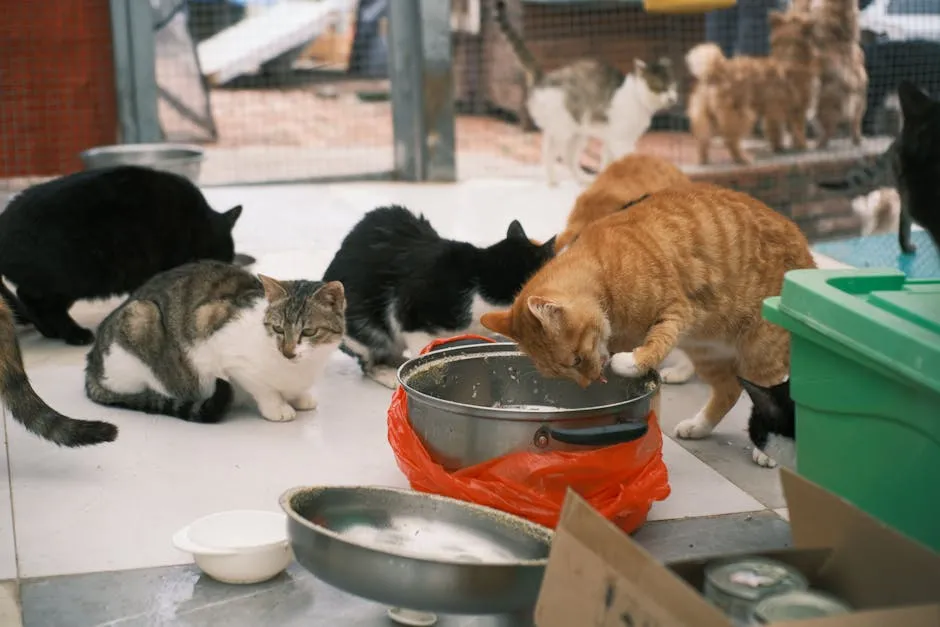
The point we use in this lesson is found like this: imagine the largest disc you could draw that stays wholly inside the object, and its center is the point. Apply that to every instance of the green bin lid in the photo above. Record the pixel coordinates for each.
(876, 313)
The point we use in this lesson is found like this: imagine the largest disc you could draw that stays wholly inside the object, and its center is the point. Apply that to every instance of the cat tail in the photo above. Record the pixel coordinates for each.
(704, 60)
(866, 178)
(19, 312)
(208, 410)
(31, 411)
(532, 68)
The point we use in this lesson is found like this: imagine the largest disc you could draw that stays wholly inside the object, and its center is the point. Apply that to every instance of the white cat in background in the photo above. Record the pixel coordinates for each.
(589, 98)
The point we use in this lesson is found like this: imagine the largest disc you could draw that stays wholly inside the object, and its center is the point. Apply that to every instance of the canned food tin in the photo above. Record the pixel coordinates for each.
(797, 605)
(735, 586)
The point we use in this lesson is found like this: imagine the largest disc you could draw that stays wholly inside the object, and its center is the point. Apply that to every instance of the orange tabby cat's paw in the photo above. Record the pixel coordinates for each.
(625, 365)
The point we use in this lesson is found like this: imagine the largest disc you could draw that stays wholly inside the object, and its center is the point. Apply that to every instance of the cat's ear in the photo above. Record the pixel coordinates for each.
(914, 102)
(498, 322)
(273, 289)
(333, 295)
(550, 244)
(639, 64)
(231, 216)
(545, 311)
(766, 400)
(515, 231)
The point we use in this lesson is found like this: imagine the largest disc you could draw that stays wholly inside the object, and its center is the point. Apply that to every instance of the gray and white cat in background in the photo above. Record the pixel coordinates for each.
(589, 98)
(180, 342)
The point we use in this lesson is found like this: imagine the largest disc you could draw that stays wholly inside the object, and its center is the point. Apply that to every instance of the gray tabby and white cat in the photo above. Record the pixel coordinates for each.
(180, 341)
(589, 98)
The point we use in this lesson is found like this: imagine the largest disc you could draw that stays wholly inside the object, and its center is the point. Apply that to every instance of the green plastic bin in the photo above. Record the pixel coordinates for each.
(865, 378)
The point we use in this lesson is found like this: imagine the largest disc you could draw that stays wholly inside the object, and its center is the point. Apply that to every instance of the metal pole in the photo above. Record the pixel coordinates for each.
(135, 71)
(421, 73)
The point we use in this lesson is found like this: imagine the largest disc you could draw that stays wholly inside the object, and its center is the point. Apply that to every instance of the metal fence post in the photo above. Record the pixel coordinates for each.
(135, 71)
(421, 72)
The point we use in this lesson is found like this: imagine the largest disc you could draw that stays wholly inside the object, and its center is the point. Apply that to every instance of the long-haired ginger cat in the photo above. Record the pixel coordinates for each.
(732, 94)
(689, 267)
(616, 188)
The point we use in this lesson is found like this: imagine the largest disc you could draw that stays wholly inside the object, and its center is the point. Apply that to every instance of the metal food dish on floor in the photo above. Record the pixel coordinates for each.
(418, 551)
(183, 159)
(472, 403)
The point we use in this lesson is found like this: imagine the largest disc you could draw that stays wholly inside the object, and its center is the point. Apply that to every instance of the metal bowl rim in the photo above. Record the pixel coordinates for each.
(511, 413)
(288, 495)
(117, 149)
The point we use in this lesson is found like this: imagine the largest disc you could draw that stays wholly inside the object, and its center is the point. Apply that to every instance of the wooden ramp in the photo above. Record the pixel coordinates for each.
(245, 47)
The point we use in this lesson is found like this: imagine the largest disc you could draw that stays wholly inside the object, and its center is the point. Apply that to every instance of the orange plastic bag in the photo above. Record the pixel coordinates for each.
(620, 481)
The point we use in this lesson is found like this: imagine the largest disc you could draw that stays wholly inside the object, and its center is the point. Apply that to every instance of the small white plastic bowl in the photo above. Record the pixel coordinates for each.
(239, 546)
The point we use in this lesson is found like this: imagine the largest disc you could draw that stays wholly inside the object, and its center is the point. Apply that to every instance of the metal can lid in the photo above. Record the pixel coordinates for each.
(797, 605)
(754, 578)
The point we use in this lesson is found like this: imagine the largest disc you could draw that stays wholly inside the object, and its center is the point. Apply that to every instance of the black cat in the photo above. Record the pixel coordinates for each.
(406, 285)
(102, 233)
(772, 425)
(911, 164)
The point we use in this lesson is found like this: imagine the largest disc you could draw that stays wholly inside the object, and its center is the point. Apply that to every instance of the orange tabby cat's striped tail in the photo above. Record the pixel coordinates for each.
(704, 60)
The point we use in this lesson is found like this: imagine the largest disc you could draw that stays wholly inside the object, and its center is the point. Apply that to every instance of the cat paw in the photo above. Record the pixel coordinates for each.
(694, 428)
(277, 412)
(79, 337)
(304, 402)
(763, 459)
(679, 373)
(625, 365)
(385, 376)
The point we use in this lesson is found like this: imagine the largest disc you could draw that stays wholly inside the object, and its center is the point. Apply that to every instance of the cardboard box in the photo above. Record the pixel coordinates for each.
(599, 577)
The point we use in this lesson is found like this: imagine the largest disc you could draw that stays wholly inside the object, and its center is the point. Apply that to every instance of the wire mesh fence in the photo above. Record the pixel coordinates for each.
(856, 54)
(282, 90)
(271, 90)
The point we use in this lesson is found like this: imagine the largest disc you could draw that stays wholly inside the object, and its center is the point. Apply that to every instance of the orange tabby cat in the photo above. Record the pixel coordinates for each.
(688, 266)
(624, 180)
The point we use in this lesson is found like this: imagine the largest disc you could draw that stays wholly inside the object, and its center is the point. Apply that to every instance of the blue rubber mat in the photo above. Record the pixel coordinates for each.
(882, 251)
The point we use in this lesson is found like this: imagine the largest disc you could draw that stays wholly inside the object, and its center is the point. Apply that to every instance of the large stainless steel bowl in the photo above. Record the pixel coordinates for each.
(469, 404)
(419, 551)
(183, 159)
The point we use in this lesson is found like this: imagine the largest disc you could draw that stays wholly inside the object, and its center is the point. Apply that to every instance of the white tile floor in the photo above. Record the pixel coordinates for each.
(115, 506)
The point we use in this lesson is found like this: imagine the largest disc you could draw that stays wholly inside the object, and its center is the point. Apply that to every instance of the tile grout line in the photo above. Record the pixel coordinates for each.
(16, 551)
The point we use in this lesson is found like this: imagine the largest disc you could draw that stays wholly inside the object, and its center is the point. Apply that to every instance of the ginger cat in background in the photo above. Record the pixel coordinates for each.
(688, 267)
(619, 185)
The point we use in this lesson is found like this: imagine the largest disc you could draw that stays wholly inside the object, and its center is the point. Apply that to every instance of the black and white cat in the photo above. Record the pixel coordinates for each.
(772, 425)
(406, 285)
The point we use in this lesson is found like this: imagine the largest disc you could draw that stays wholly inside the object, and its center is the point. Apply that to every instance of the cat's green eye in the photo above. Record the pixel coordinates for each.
(309, 332)
(277, 329)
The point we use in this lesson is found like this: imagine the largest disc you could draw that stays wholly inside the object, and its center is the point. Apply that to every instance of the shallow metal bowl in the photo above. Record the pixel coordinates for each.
(472, 403)
(419, 551)
(182, 159)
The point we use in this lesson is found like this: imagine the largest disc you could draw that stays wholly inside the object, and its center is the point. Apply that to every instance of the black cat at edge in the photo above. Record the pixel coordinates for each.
(911, 164)
(102, 233)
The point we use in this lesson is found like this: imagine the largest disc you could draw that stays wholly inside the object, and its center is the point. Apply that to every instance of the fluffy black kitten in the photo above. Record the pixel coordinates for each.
(911, 164)
(102, 233)
(772, 425)
(891, 62)
(406, 285)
